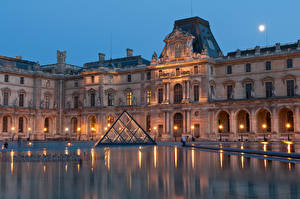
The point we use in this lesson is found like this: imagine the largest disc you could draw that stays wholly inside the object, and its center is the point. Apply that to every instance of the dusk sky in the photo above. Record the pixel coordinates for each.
(35, 29)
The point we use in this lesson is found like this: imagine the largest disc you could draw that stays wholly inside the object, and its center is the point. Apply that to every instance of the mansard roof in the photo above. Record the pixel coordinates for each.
(125, 63)
(204, 38)
(16, 62)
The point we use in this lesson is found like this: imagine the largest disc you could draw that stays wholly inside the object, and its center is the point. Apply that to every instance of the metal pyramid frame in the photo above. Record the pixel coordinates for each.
(125, 131)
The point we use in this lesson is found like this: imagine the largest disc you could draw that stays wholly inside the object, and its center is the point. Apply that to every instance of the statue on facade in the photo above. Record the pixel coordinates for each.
(154, 56)
(99, 101)
(232, 94)
(252, 93)
(273, 91)
(296, 90)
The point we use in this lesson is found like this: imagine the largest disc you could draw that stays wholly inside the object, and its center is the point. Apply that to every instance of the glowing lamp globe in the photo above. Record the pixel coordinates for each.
(261, 28)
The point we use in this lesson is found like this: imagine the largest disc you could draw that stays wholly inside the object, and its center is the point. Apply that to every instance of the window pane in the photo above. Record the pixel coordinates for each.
(290, 87)
(196, 93)
(269, 88)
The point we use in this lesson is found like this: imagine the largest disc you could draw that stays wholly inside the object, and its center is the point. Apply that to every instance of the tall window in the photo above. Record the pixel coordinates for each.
(92, 79)
(74, 123)
(47, 102)
(290, 87)
(195, 70)
(268, 65)
(21, 99)
(248, 90)
(269, 89)
(6, 78)
(129, 78)
(178, 51)
(129, 98)
(76, 84)
(177, 94)
(289, 63)
(148, 75)
(21, 80)
(148, 123)
(229, 92)
(248, 68)
(46, 125)
(148, 97)
(92, 99)
(196, 93)
(160, 95)
(47, 83)
(110, 99)
(5, 124)
(177, 71)
(76, 101)
(21, 125)
(5, 98)
(229, 70)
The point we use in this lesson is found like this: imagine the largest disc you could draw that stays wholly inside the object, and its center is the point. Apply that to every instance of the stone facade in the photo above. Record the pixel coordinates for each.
(190, 89)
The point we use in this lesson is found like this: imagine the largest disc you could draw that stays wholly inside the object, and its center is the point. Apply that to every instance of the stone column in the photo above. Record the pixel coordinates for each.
(184, 90)
(253, 122)
(274, 121)
(296, 120)
(233, 123)
(189, 122)
(188, 90)
(168, 92)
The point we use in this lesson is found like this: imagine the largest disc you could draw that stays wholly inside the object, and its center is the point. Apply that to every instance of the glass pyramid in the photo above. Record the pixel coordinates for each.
(124, 131)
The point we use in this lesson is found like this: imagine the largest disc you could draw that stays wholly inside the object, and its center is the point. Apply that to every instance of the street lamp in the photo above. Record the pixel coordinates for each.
(241, 129)
(175, 133)
(220, 131)
(288, 126)
(264, 127)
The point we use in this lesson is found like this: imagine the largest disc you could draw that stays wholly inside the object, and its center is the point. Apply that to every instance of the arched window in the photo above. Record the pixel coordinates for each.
(148, 123)
(177, 94)
(129, 98)
(148, 97)
(46, 125)
(5, 124)
(21, 125)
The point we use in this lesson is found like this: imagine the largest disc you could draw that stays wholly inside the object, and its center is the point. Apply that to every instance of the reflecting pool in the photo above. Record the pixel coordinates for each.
(142, 172)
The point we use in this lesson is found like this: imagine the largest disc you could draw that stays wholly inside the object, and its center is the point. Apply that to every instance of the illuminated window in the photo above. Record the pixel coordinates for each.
(148, 97)
(47, 83)
(46, 125)
(110, 119)
(129, 98)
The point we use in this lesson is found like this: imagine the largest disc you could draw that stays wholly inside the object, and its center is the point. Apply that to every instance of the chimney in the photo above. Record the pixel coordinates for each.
(61, 57)
(257, 50)
(129, 52)
(18, 57)
(101, 57)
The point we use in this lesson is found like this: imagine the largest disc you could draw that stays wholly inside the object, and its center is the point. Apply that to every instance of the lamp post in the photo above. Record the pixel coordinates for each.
(288, 126)
(264, 127)
(241, 129)
(175, 131)
(220, 131)
(154, 131)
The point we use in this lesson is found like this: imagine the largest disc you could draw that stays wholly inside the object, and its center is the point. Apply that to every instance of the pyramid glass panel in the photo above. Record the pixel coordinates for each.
(124, 131)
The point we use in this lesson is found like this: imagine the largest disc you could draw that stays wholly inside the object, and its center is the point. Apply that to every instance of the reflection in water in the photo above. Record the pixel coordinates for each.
(149, 172)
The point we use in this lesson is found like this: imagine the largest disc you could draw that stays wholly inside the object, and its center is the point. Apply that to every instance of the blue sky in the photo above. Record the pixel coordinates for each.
(35, 29)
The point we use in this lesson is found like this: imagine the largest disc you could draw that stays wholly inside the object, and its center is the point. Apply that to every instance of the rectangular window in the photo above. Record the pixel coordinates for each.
(76, 84)
(21, 80)
(195, 70)
(129, 98)
(21, 100)
(248, 90)
(177, 71)
(129, 78)
(229, 70)
(196, 93)
(110, 99)
(6, 78)
(148, 75)
(269, 89)
(5, 99)
(5, 124)
(47, 99)
(76, 101)
(248, 68)
(21, 122)
(290, 88)
(92, 79)
(229, 92)
(148, 97)
(160, 95)
(268, 65)
(92, 99)
(289, 63)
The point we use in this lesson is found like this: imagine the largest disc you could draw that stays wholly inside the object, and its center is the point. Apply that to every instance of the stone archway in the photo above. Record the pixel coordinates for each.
(264, 121)
(223, 122)
(243, 121)
(286, 120)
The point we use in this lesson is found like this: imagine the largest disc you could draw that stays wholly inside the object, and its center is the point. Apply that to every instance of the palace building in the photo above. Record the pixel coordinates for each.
(191, 88)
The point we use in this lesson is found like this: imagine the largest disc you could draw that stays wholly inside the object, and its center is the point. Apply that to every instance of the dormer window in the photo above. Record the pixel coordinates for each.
(177, 51)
